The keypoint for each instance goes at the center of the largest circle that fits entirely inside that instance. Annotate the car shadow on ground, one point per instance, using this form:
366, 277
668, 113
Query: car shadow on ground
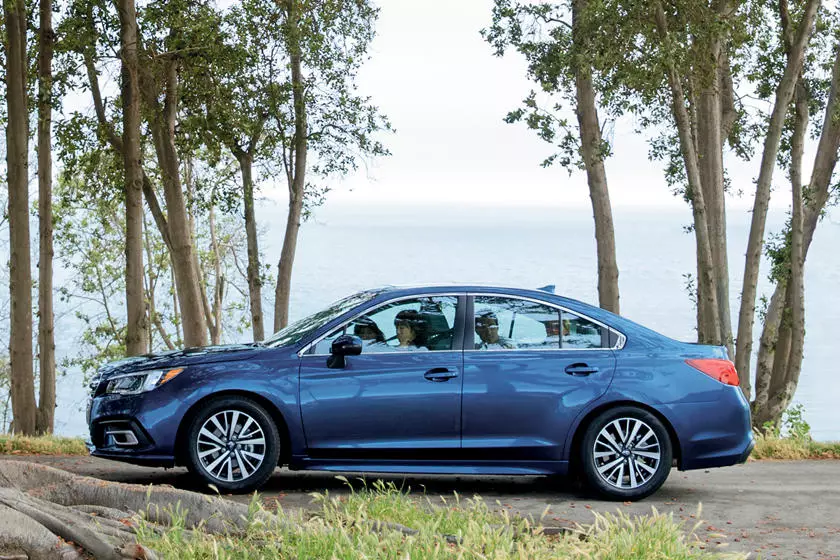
547, 489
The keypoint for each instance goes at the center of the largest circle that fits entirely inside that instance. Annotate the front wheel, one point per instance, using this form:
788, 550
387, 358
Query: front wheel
626, 454
233, 445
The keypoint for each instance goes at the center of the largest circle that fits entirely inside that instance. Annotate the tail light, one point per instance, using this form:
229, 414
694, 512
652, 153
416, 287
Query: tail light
722, 370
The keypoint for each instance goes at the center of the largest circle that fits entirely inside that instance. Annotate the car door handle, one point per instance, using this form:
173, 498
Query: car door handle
581, 369
440, 374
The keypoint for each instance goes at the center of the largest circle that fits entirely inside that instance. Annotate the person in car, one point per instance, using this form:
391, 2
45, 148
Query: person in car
487, 329
411, 331
367, 329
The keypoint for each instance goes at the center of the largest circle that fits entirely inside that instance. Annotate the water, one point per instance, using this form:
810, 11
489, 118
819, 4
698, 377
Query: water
348, 248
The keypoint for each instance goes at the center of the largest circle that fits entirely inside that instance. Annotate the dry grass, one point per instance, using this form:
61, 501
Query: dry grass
793, 448
41, 445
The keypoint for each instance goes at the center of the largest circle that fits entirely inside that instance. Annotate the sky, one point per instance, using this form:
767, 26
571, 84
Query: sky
445, 92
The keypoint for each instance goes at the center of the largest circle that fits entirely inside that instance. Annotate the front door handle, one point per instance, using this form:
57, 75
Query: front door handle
581, 369
440, 374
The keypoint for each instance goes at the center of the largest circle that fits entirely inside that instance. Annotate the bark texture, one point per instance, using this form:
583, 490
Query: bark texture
46, 315
137, 328
17, 166
254, 278
163, 122
780, 353
783, 97
596, 175
708, 310
43, 509
297, 176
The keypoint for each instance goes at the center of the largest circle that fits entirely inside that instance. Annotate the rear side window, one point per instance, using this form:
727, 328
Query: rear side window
507, 323
582, 333
514, 324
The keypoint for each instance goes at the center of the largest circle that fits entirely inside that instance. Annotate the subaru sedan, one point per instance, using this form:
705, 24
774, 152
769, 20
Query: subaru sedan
445, 380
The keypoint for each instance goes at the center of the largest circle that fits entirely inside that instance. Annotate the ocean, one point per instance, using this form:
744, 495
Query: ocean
349, 247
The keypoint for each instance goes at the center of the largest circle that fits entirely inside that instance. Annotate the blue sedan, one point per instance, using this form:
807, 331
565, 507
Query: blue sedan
443, 379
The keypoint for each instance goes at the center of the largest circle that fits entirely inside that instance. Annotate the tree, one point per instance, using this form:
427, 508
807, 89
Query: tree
136, 332
558, 56
46, 316
17, 162
782, 339
226, 104
323, 126
796, 44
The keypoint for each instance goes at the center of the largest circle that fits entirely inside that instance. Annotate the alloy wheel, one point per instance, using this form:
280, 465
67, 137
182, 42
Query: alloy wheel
231, 445
627, 453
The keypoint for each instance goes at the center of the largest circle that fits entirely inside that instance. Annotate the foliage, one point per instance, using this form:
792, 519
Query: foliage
89, 244
790, 439
41, 445
541, 33
343, 529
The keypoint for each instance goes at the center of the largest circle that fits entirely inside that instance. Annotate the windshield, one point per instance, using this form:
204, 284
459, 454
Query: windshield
298, 330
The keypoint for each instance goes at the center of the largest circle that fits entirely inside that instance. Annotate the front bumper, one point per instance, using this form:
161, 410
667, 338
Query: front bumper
139, 429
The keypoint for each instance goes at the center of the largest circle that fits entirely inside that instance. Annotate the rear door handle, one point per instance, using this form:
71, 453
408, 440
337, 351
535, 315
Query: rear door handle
581, 369
440, 374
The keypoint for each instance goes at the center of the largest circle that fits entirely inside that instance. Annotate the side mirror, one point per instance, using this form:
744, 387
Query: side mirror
344, 345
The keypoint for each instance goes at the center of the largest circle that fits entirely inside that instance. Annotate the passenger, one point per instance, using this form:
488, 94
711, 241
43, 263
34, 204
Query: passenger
411, 331
367, 329
487, 328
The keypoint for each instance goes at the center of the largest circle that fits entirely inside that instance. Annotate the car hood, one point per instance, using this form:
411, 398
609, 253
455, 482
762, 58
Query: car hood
179, 358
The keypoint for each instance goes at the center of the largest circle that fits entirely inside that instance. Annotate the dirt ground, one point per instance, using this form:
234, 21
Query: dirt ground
772, 509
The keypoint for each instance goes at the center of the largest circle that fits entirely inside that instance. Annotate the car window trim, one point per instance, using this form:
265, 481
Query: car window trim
469, 327
460, 297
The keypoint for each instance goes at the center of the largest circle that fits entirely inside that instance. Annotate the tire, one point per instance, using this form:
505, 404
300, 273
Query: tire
219, 456
628, 469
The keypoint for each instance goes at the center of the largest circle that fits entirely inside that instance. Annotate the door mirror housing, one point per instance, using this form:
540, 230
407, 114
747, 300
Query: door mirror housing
344, 345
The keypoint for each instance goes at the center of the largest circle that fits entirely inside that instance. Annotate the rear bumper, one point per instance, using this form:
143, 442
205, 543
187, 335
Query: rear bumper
712, 434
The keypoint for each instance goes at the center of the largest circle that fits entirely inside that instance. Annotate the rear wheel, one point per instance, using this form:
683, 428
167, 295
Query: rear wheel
626, 454
233, 444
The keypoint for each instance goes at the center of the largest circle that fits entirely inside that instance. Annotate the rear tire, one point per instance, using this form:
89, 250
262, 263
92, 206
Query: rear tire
626, 454
233, 445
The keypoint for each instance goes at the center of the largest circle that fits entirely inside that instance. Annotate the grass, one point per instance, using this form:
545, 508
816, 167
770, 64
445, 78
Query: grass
341, 528
41, 445
770, 446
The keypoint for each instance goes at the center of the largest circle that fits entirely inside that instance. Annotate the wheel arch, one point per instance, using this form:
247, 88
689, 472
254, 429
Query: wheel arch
580, 430
270, 407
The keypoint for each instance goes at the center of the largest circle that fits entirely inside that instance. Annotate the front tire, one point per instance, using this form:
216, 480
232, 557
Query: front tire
626, 454
233, 444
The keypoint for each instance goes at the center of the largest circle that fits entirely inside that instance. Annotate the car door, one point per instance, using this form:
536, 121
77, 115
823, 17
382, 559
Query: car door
531, 368
392, 400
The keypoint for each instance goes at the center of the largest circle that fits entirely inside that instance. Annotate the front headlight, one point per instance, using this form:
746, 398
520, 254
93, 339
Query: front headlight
140, 382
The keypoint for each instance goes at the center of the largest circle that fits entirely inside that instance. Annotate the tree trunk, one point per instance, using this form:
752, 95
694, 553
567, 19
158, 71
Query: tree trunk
254, 280
17, 166
163, 124
297, 181
773, 338
708, 328
46, 321
219, 285
284, 267
710, 154
784, 94
596, 175
137, 327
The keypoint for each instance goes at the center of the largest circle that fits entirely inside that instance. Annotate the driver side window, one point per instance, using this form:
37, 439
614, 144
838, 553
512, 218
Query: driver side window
409, 325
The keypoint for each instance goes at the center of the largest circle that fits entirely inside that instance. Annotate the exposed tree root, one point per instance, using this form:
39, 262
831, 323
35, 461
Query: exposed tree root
45, 511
